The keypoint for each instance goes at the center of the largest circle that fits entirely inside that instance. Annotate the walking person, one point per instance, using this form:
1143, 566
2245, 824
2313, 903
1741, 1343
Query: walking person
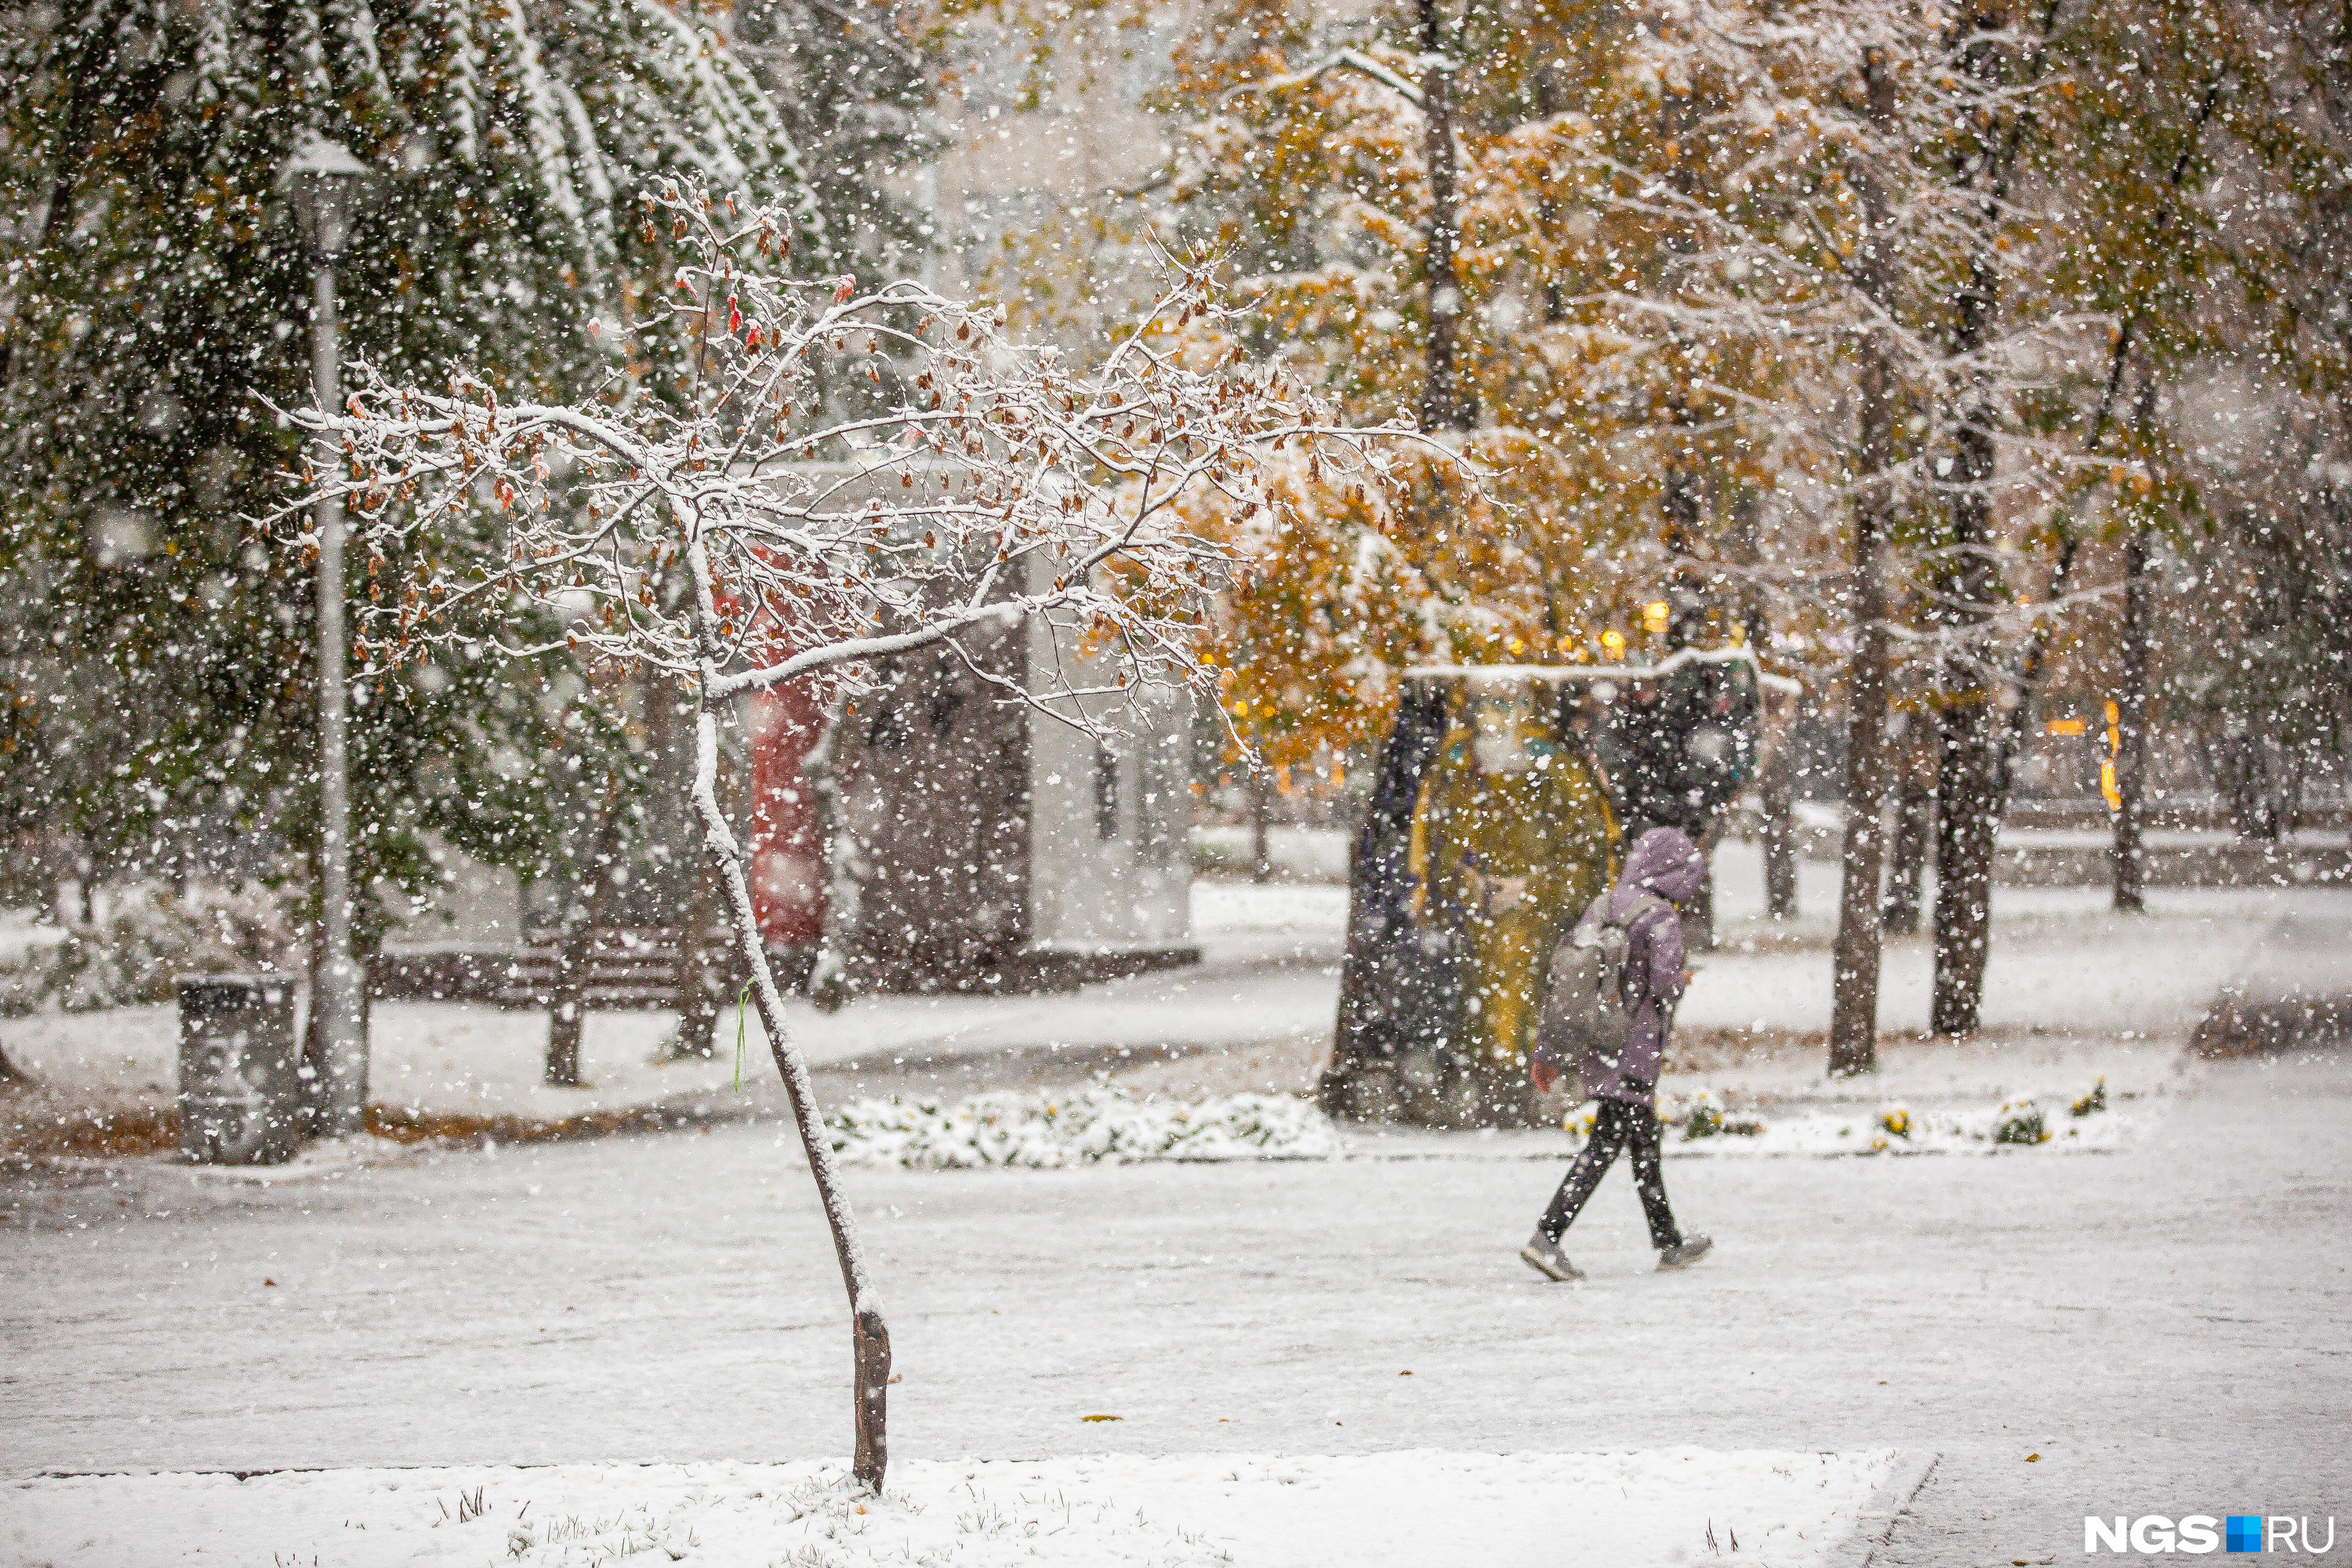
1615, 982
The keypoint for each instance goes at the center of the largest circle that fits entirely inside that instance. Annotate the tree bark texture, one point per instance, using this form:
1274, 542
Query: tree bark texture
1779, 835
701, 981
700, 977
1446, 403
1854, 1006
1967, 762
1968, 820
575, 953
870, 1335
1969, 790
2131, 753
1915, 813
1261, 799
567, 1014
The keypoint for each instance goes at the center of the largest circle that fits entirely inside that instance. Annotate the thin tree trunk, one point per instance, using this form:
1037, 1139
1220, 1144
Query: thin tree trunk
2131, 759
10, 1072
1854, 1006
575, 954
2037, 664
869, 1336
1446, 403
1261, 799
568, 1008
699, 981
702, 985
1780, 835
2131, 704
567, 1022
1915, 812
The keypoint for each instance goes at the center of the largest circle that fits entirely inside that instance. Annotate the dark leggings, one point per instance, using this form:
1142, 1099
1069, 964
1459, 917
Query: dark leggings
1634, 1128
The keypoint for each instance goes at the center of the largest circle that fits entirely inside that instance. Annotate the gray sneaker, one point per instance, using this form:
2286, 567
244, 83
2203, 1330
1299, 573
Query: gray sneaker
1543, 1254
1690, 1251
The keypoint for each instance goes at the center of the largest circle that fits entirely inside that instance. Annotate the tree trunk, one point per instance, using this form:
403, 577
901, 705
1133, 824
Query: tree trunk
1968, 798
1780, 835
1969, 766
567, 1016
1261, 799
10, 1072
702, 984
1446, 403
2131, 753
575, 951
1914, 811
1967, 760
869, 1336
1854, 1007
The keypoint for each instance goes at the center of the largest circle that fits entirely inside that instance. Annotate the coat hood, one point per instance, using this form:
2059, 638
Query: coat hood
1664, 862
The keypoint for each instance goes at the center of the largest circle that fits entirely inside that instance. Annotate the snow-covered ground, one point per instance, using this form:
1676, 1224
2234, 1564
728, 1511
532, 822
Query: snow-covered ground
2157, 1330
1269, 976
1399, 1510
2073, 993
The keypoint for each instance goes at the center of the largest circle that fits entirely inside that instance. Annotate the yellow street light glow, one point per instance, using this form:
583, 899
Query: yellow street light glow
1655, 616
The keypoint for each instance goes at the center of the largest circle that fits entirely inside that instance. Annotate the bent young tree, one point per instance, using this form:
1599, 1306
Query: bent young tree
843, 476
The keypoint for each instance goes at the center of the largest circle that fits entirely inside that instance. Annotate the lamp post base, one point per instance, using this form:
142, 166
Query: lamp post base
339, 1047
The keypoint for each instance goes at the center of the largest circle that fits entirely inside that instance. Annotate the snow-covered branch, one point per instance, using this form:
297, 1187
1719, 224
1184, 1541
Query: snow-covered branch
860, 472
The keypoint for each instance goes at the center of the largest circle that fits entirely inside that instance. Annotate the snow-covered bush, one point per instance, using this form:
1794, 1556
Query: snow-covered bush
2021, 1123
150, 937
1102, 1125
1700, 1116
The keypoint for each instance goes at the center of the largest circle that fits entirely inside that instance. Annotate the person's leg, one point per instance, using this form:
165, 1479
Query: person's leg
1592, 1164
1649, 1176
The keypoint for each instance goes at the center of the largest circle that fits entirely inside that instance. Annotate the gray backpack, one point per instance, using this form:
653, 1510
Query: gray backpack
1584, 1014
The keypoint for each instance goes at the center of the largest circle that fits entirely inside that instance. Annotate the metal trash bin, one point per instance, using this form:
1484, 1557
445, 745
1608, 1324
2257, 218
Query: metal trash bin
240, 1070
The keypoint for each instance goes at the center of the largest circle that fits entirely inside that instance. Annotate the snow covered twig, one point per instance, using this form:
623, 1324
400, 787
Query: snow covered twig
865, 473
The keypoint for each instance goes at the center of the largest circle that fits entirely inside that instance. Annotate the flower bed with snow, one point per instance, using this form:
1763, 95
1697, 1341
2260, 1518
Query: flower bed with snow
1699, 1124
1084, 1127
1413, 1508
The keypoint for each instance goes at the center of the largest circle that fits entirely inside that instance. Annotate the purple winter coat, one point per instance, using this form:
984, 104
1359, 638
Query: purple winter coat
1664, 863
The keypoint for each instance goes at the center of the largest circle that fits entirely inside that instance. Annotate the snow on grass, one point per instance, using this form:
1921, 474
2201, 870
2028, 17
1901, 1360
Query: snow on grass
1082, 1126
1699, 1124
1107, 1125
1416, 1507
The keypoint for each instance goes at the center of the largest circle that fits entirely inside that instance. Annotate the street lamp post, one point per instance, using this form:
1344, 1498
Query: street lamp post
323, 180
